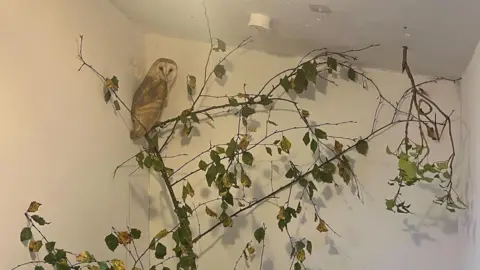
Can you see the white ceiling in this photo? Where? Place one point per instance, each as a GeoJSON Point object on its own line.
{"type": "Point", "coordinates": [442, 33]}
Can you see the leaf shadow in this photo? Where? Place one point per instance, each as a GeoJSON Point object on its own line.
{"type": "Point", "coordinates": [415, 234]}
{"type": "Point", "coordinates": [163, 204]}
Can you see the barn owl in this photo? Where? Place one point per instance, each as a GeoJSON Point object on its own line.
{"type": "Point", "coordinates": [149, 99]}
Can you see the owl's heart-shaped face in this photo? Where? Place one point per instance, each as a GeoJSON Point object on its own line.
{"type": "Point", "coordinates": [166, 69]}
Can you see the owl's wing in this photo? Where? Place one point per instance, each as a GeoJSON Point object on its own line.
{"type": "Point", "coordinates": [146, 106]}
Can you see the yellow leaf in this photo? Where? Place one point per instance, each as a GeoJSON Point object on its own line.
{"type": "Point", "coordinates": [322, 226]}
{"type": "Point", "coordinates": [251, 250]}
{"type": "Point", "coordinates": [210, 212]}
{"type": "Point", "coordinates": [161, 234]}
{"type": "Point", "coordinates": [281, 213]}
{"type": "Point", "coordinates": [240, 204]}
{"type": "Point", "coordinates": [84, 257]}
{"type": "Point", "coordinates": [246, 182]}
{"type": "Point", "coordinates": [109, 84]}
{"type": "Point", "coordinates": [35, 246]}
{"type": "Point", "coordinates": [226, 183]}
{"type": "Point", "coordinates": [117, 264]}
{"type": "Point", "coordinates": [93, 267]}
{"type": "Point", "coordinates": [301, 255]}
{"type": "Point", "coordinates": [124, 238]}
{"type": "Point", "coordinates": [228, 222]}
{"type": "Point", "coordinates": [338, 147]}
{"type": "Point", "coordinates": [305, 113]}
{"type": "Point", "coordinates": [285, 144]}
{"type": "Point", "coordinates": [33, 207]}
{"type": "Point", "coordinates": [252, 129]}
{"type": "Point", "coordinates": [243, 143]}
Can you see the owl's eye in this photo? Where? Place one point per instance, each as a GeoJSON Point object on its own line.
{"type": "Point", "coordinates": [161, 69]}
{"type": "Point", "coordinates": [170, 70]}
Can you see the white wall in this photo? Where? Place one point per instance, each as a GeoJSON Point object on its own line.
{"type": "Point", "coordinates": [469, 96]}
{"type": "Point", "coordinates": [60, 142]}
{"type": "Point", "coordinates": [372, 238]}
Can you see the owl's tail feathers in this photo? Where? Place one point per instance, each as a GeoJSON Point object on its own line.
{"type": "Point", "coordinates": [136, 134]}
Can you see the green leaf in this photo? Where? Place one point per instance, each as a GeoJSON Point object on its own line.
{"type": "Point", "coordinates": [300, 82]}
{"type": "Point", "coordinates": [220, 46]}
{"type": "Point", "coordinates": [210, 175]}
{"type": "Point", "coordinates": [329, 167]}
{"type": "Point", "coordinates": [320, 134]}
{"type": "Point", "coordinates": [232, 101]}
{"type": "Point", "coordinates": [264, 100]}
{"type": "Point", "coordinates": [103, 265]}
{"type": "Point", "coordinates": [309, 247]}
{"type": "Point", "coordinates": [50, 246]}
{"type": "Point", "coordinates": [299, 208]}
{"type": "Point", "coordinates": [247, 158]}
{"type": "Point", "coordinates": [195, 118]}
{"type": "Point", "coordinates": [352, 74]}
{"type": "Point", "coordinates": [332, 63]}
{"type": "Point", "coordinates": [290, 173]}
{"type": "Point", "coordinates": [313, 146]}
{"type": "Point", "coordinates": [306, 138]}
{"type": "Point", "coordinates": [160, 251]}
{"type": "Point", "coordinates": [297, 266]}
{"type": "Point", "coordinates": [247, 111]}
{"type": "Point", "coordinates": [215, 157]}
{"type": "Point", "coordinates": [285, 144]}
{"type": "Point", "coordinates": [26, 234]}
{"type": "Point", "coordinates": [305, 113]}
{"type": "Point", "coordinates": [135, 233]}
{"type": "Point", "coordinates": [285, 83]}
{"type": "Point", "coordinates": [50, 259]}
{"type": "Point", "coordinates": [310, 70]}
{"type": "Point", "coordinates": [219, 71]}
{"type": "Point", "coordinates": [389, 204]}
{"type": "Point", "coordinates": [408, 167]}
{"type": "Point", "coordinates": [220, 150]}
{"type": "Point", "coordinates": [166, 268]}
{"type": "Point", "coordinates": [39, 267]}
{"type": "Point", "coordinates": [62, 266]}
{"type": "Point", "coordinates": [362, 147]}
{"type": "Point", "coordinates": [148, 162]}
{"type": "Point", "coordinates": [269, 150]}
{"type": "Point", "coordinates": [299, 245]}
{"type": "Point", "coordinates": [259, 234]}
{"type": "Point", "coordinates": [202, 165]}
{"type": "Point", "coordinates": [112, 242]}
{"type": "Point", "coordinates": [229, 198]}
{"type": "Point", "coordinates": [60, 254]}
{"type": "Point", "coordinates": [115, 81]}
{"type": "Point", "coordinates": [40, 220]}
